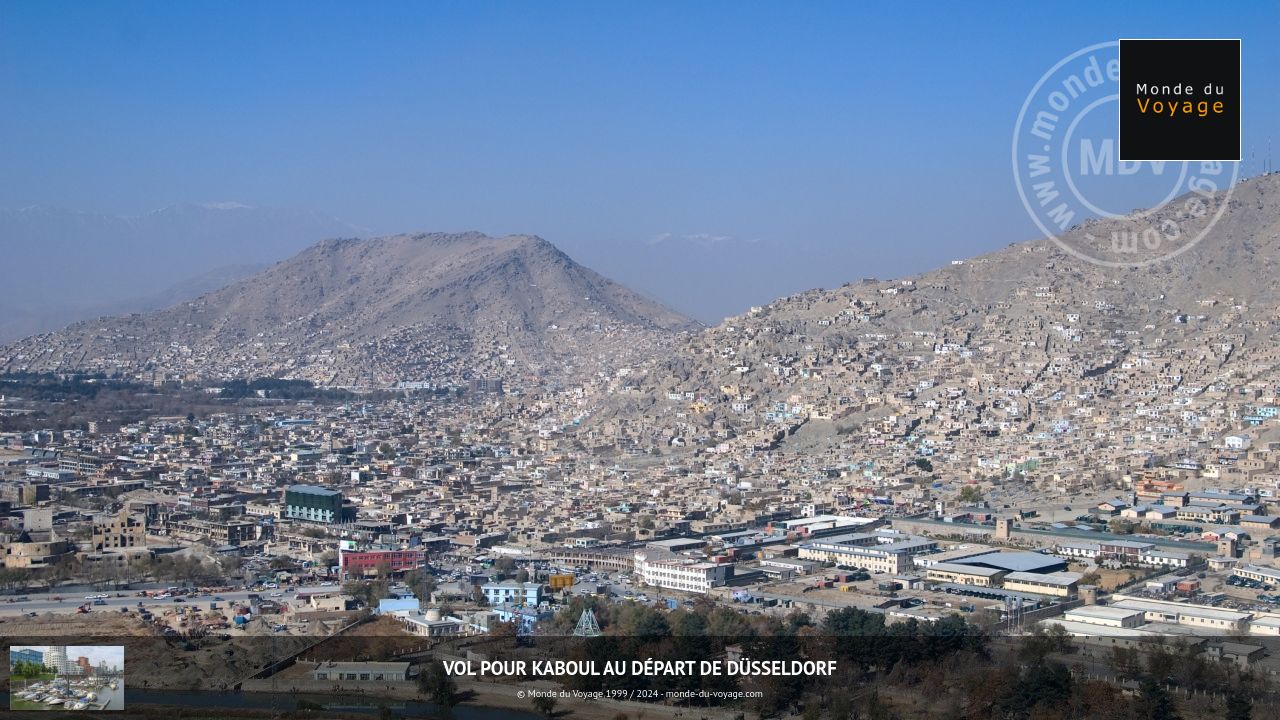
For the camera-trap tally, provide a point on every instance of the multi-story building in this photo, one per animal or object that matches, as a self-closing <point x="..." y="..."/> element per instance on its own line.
<point x="18" y="655"/>
<point x="55" y="658"/>
<point x="874" y="558"/>
<point x="486" y="385"/>
<point x="233" y="532"/>
<point x="79" y="463"/>
<point x="118" y="532"/>
<point x="662" y="569"/>
<point x="512" y="591"/>
<point x="39" y="552"/>
<point x="1125" y="551"/>
<point x="316" y="504"/>
<point x="356" y="563"/>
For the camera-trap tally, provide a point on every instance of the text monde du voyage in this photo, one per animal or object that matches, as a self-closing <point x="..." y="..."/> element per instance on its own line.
<point x="555" y="668"/>
<point x="1179" y="99"/>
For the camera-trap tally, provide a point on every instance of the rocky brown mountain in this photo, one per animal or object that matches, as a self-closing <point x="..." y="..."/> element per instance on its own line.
<point x="1025" y="352"/>
<point x="427" y="307"/>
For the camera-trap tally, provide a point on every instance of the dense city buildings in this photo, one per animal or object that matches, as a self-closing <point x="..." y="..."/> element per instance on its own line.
<point x="1033" y="460"/>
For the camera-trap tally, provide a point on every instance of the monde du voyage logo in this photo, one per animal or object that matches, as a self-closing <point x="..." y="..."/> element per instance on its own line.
<point x="1170" y="145"/>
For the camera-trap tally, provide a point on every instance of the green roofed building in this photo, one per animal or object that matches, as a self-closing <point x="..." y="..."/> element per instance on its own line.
<point x="316" y="504"/>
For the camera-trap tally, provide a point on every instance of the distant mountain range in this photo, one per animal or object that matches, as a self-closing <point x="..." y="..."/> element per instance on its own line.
<point x="432" y="307"/>
<point x="1025" y="342"/>
<point x="442" y="307"/>
<point x="60" y="266"/>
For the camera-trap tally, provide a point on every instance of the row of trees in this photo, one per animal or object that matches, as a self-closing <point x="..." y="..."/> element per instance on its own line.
<point x="185" y="569"/>
<point x="29" y="669"/>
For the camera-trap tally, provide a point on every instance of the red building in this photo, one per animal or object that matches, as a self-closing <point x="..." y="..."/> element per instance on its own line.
<point x="356" y="563"/>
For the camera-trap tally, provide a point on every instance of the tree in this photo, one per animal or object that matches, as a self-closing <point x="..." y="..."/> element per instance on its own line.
<point x="1239" y="706"/>
<point x="1120" y="526"/>
<point x="230" y="564"/>
<point x="1127" y="662"/>
<point x="28" y="669"/>
<point x="642" y="622"/>
<point x="545" y="705"/>
<point x="1040" y="643"/>
<point x="366" y="591"/>
<point x="797" y="619"/>
<point x="970" y="494"/>
<point x="436" y="684"/>
<point x="14" y="578"/>
<point x="1154" y="702"/>
<point x="422" y="584"/>
<point x="1041" y="685"/>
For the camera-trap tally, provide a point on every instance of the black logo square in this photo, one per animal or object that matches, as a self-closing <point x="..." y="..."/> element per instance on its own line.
<point x="1180" y="100"/>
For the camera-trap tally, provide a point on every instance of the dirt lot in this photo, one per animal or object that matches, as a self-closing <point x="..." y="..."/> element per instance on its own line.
<point x="1108" y="579"/>
<point x="61" y="625"/>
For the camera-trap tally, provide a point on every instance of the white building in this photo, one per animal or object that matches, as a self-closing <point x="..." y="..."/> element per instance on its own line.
<point x="430" y="623"/>
<point x="662" y="569"/>
<point x="1059" y="584"/>
<point x="55" y="657"/>
<point x="1237" y="442"/>
<point x="1195" y="616"/>
<point x="1267" y="575"/>
<point x="1106" y="616"/>
<point x="865" y="550"/>
<point x="512" y="591"/>
<point x="1164" y="558"/>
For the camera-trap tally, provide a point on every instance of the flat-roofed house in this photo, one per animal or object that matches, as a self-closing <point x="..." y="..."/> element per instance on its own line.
<point x="1106" y="615"/>
<point x="975" y="575"/>
<point x="1059" y="584"/>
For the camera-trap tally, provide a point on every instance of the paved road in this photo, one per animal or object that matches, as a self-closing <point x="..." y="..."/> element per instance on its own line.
<point x="45" y="602"/>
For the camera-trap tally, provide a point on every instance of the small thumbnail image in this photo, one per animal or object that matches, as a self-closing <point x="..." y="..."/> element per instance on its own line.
<point x="66" y="677"/>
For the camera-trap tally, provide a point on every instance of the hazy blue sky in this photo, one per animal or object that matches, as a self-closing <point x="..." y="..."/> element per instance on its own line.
<point x="713" y="154"/>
